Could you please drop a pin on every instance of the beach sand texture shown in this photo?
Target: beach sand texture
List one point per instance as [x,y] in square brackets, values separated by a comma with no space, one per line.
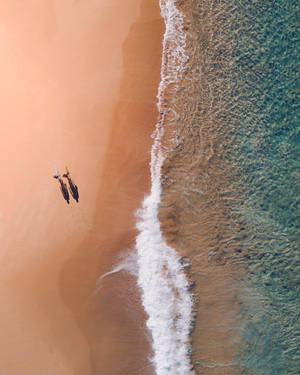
[79,83]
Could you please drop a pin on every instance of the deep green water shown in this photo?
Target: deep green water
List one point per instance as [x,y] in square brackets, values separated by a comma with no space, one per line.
[266,156]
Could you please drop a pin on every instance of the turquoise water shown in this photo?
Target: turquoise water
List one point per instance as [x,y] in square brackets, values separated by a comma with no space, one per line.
[266,157]
[231,179]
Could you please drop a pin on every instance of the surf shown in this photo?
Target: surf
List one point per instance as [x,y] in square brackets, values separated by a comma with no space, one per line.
[160,274]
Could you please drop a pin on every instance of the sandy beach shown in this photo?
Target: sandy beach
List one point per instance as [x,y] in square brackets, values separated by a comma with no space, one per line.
[79,84]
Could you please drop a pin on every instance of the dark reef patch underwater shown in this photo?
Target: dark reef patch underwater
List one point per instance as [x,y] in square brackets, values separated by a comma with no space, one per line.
[233,166]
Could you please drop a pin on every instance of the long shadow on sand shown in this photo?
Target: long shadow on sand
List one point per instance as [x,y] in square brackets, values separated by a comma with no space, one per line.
[113,321]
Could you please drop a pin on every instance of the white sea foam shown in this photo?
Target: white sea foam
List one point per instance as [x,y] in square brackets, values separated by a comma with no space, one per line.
[164,286]
[127,263]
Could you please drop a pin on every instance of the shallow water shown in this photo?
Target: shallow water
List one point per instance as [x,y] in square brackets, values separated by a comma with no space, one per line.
[231,179]
[267,162]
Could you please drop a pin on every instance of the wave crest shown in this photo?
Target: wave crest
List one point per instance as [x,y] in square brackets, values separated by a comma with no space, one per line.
[161,277]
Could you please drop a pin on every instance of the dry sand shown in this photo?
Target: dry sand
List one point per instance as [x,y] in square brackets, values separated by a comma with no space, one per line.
[79,82]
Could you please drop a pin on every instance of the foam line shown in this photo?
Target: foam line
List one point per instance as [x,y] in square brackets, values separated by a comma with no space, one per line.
[127,263]
[163,283]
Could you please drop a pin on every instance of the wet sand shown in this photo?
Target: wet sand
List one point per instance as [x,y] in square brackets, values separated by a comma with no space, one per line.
[79,84]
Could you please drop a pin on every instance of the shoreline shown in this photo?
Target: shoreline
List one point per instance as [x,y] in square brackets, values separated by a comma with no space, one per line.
[118,217]
[194,214]
[165,289]
[78,71]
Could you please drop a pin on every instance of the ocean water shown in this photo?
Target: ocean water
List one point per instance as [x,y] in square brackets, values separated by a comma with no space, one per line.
[161,278]
[226,183]
[267,161]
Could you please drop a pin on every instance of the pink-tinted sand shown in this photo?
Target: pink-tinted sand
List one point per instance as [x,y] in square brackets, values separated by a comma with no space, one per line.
[78,88]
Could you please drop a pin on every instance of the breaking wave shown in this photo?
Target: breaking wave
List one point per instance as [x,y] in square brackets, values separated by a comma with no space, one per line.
[164,286]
